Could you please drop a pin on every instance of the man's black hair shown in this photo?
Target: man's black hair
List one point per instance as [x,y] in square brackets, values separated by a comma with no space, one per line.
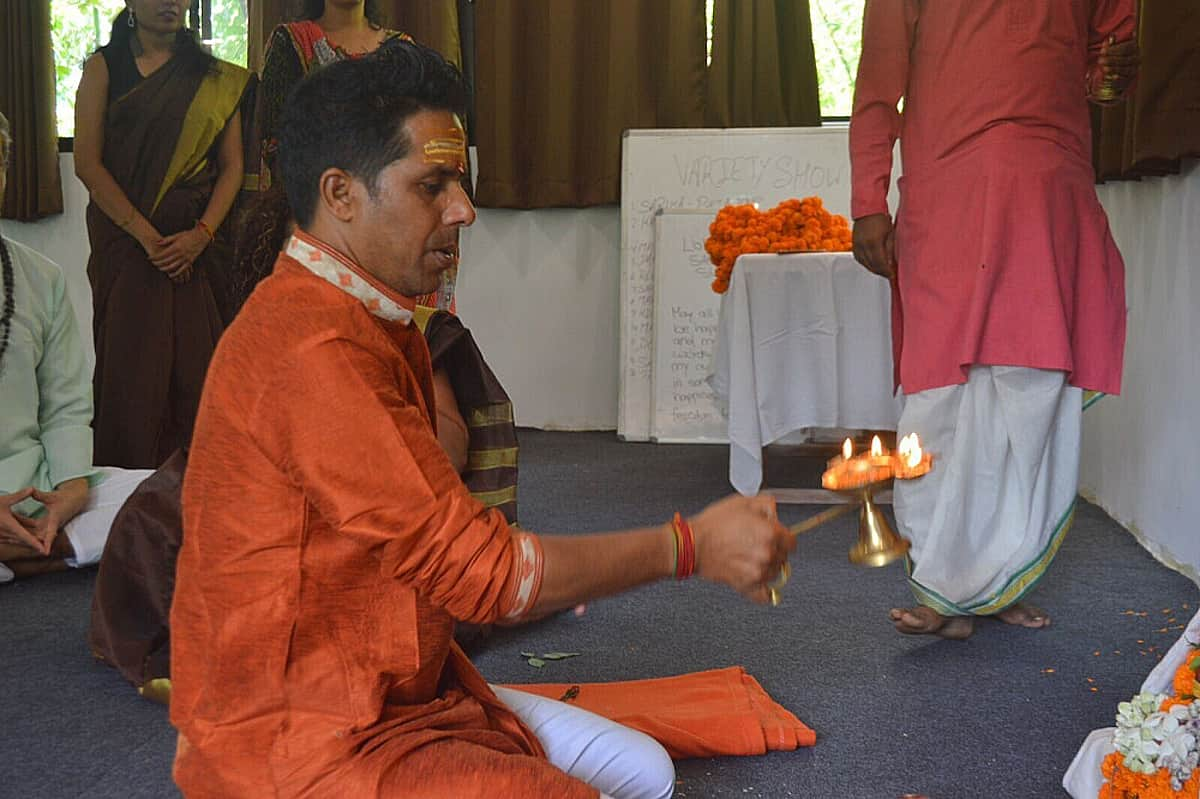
[350,115]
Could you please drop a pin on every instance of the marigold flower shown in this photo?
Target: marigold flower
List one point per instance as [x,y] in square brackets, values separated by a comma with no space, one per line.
[794,225]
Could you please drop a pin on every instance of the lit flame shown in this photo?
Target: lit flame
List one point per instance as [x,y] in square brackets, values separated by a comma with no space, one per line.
[847,449]
[876,447]
[910,450]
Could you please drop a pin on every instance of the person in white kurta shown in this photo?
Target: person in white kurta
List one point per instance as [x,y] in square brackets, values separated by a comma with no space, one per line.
[55,508]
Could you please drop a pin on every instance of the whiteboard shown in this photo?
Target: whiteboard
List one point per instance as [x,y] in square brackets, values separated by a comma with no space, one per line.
[686,310]
[704,169]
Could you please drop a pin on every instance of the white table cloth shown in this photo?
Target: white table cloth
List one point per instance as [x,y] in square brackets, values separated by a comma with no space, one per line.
[803,341]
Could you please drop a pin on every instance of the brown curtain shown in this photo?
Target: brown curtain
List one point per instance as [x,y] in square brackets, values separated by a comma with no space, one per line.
[1159,124]
[431,22]
[558,81]
[764,71]
[27,99]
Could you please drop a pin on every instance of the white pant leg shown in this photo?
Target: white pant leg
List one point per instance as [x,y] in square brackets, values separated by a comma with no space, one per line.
[88,531]
[622,763]
[988,517]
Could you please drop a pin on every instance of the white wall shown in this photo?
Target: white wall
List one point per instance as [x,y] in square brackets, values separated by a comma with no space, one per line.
[537,288]
[1141,451]
[540,290]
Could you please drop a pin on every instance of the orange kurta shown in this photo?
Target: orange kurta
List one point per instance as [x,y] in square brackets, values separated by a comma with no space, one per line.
[328,547]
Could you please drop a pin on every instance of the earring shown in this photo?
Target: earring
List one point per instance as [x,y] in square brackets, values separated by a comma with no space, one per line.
[130,21]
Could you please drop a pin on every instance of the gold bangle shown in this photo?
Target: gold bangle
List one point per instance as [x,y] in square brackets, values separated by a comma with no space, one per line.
[207,230]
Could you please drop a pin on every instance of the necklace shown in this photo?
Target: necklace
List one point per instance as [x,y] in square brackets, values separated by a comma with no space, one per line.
[6,315]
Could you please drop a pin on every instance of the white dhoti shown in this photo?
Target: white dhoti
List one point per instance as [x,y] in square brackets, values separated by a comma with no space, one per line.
[88,531]
[620,762]
[988,519]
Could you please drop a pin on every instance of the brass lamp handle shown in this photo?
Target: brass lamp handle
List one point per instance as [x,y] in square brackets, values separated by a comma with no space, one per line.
[813,522]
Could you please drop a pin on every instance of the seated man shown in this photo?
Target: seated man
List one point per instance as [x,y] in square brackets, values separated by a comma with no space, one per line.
[129,627]
[329,544]
[47,483]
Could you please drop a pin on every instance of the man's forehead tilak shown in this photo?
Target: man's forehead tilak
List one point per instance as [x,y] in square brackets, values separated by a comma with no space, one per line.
[448,148]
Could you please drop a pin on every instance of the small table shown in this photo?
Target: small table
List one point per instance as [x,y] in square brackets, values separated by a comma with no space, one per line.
[803,341]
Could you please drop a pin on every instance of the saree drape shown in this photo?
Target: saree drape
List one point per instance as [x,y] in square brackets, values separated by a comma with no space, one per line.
[154,337]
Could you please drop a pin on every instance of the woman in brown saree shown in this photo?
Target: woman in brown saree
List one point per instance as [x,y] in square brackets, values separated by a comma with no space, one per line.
[158,145]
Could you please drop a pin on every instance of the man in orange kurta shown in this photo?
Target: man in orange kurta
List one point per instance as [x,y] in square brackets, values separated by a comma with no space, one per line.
[329,544]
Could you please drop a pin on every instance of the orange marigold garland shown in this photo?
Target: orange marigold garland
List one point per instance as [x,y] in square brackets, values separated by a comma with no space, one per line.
[1158,742]
[792,226]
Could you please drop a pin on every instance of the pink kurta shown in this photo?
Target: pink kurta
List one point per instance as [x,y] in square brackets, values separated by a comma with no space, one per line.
[1004,253]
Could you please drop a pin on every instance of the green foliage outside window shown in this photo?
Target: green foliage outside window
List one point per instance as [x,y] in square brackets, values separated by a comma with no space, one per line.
[78,27]
[229,27]
[837,40]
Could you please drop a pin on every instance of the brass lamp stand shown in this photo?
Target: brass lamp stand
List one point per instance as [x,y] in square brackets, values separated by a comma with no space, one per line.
[878,543]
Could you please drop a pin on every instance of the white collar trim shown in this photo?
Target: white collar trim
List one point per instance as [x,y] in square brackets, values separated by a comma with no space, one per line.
[332,268]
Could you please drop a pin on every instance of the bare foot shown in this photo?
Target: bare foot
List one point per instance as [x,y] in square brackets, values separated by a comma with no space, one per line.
[927,621]
[1024,615]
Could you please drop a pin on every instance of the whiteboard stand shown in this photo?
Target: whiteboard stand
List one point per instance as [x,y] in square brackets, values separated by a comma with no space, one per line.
[707,168]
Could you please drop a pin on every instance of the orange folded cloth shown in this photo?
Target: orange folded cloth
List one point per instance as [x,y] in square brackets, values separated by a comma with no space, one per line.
[703,714]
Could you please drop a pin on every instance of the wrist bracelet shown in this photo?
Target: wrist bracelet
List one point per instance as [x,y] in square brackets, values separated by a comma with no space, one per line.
[207,230]
[685,548]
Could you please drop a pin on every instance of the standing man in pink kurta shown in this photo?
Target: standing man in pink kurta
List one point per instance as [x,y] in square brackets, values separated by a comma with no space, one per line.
[1008,291]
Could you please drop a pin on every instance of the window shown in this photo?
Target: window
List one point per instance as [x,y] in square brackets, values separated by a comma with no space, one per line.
[227,29]
[837,40]
[78,27]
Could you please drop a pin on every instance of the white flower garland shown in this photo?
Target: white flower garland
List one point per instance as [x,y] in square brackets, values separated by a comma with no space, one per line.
[1151,739]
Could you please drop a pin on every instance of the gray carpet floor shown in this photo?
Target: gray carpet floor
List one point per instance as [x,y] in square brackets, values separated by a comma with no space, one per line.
[998,715]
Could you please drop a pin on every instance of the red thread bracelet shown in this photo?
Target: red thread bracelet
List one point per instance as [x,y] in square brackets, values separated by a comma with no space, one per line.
[685,565]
